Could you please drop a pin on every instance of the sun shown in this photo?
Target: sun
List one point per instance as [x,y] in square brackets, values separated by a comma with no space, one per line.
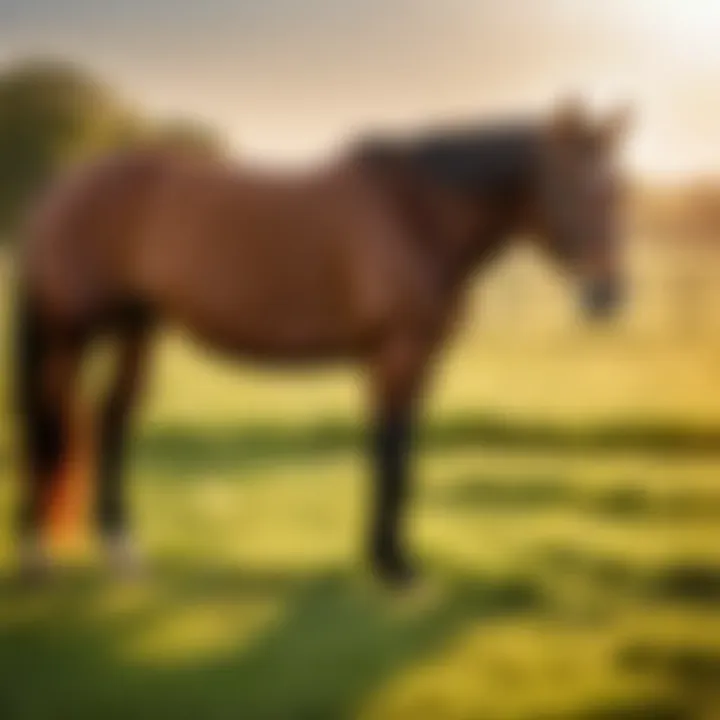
[687,30]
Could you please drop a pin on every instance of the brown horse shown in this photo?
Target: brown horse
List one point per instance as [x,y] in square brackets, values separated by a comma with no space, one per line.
[366,259]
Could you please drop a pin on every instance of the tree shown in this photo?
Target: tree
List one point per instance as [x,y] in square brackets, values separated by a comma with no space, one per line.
[50,114]
[53,114]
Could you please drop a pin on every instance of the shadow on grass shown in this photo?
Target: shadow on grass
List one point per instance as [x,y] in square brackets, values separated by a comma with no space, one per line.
[331,647]
[334,644]
[692,584]
[693,669]
[644,709]
[629,501]
[180,447]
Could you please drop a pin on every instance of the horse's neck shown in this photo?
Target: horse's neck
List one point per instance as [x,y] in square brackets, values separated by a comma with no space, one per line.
[497,226]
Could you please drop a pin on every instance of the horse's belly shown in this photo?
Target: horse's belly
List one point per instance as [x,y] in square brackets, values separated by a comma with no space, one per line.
[256,312]
[303,338]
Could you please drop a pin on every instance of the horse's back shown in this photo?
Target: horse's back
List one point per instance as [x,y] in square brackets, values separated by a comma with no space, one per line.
[270,263]
[279,264]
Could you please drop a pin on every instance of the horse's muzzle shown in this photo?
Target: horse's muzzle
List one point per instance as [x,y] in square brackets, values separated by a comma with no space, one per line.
[601,299]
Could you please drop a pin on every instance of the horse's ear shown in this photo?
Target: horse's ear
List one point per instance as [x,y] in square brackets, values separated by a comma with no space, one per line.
[569,120]
[616,126]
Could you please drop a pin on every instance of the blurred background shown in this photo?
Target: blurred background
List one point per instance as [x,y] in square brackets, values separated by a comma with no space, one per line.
[568,508]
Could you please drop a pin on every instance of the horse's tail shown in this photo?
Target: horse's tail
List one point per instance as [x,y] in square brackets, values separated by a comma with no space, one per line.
[53,436]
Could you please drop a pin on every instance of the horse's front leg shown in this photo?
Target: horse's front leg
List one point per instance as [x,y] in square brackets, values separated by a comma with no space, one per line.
[114,427]
[398,374]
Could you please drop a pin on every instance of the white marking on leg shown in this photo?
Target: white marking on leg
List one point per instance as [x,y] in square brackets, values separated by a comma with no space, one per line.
[123,557]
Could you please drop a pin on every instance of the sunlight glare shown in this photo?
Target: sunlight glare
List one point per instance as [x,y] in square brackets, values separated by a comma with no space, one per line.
[688,29]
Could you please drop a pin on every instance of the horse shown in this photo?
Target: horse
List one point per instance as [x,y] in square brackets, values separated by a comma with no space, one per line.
[364,259]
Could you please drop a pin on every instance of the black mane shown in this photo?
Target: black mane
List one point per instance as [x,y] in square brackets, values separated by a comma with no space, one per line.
[499,159]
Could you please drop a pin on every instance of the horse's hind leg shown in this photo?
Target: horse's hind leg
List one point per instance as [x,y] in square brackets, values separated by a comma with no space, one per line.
[114,426]
[46,366]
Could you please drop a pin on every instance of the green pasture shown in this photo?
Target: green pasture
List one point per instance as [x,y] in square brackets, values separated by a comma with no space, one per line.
[567,514]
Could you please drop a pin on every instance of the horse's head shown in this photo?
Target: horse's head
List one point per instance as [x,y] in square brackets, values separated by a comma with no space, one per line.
[578,201]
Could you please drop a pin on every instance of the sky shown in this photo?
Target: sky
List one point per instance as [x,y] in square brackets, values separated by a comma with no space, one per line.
[288,79]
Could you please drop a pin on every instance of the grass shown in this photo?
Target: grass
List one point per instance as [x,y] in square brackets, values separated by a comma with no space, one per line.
[541,601]
[567,514]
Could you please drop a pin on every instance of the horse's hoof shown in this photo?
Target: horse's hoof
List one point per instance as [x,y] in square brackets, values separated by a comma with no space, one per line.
[396,574]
